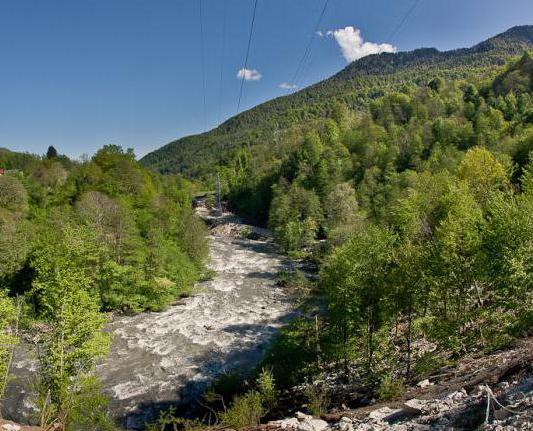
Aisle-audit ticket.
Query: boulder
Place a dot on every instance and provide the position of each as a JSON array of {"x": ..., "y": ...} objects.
[
  {"x": 312, "y": 425},
  {"x": 302, "y": 416},
  {"x": 383, "y": 413},
  {"x": 285, "y": 423},
  {"x": 424, "y": 384}
]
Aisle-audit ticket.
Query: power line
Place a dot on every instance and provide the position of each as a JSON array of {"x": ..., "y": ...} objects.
[
  {"x": 222, "y": 54},
  {"x": 308, "y": 47},
  {"x": 203, "y": 63},
  {"x": 247, "y": 55},
  {"x": 404, "y": 19}
]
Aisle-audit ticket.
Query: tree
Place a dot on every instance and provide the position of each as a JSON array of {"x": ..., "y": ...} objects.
[
  {"x": 13, "y": 195},
  {"x": 457, "y": 273},
  {"x": 483, "y": 173},
  {"x": 436, "y": 84},
  {"x": 341, "y": 213},
  {"x": 76, "y": 340},
  {"x": 9, "y": 321},
  {"x": 354, "y": 278},
  {"x": 15, "y": 243},
  {"x": 51, "y": 153},
  {"x": 295, "y": 216}
]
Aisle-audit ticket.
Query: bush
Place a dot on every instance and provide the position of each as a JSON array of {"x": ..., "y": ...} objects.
[
  {"x": 267, "y": 388},
  {"x": 246, "y": 410},
  {"x": 317, "y": 398},
  {"x": 390, "y": 388},
  {"x": 428, "y": 363}
]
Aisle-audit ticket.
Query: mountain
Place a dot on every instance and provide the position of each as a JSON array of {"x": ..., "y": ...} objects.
[{"x": 355, "y": 86}]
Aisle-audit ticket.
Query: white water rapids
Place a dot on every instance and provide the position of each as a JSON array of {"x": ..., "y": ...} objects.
[{"x": 160, "y": 359}]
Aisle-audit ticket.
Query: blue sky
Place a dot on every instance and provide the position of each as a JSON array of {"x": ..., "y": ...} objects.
[{"x": 78, "y": 74}]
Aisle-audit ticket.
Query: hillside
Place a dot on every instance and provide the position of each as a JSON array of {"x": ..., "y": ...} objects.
[{"x": 355, "y": 86}]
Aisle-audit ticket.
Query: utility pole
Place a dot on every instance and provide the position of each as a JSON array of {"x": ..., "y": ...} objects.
[{"x": 219, "y": 194}]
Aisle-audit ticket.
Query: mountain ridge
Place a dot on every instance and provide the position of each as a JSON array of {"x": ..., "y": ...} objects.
[{"x": 355, "y": 85}]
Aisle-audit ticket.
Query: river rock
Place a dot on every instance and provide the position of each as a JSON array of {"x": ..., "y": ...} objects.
[
  {"x": 383, "y": 413},
  {"x": 312, "y": 425},
  {"x": 413, "y": 407},
  {"x": 424, "y": 383},
  {"x": 288, "y": 423}
]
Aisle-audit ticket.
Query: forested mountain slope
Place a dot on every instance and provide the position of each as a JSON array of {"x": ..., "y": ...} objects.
[{"x": 362, "y": 81}]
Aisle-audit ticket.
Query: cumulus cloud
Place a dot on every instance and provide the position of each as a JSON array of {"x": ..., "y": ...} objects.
[
  {"x": 249, "y": 74},
  {"x": 354, "y": 47},
  {"x": 287, "y": 86}
]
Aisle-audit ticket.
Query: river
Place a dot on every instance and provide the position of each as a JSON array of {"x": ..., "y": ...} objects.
[{"x": 168, "y": 358}]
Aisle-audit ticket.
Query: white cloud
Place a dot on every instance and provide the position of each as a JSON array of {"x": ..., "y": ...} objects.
[
  {"x": 354, "y": 47},
  {"x": 287, "y": 86},
  {"x": 249, "y": 74},
  {"x": 319, "y": 33}
]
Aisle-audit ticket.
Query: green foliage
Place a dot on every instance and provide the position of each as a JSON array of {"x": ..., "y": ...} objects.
[
  {"x": 88, "y": 407},
  {"x": 295, "y": 216},
  {"x": 390, "y": 388},
  {"x": 13, "y": 196},
  {"x": 354, "y": 279},
  {"x": 9, "y": 316},
  {"x": 142, "y": 244},
  {"x": 75, "y": 340},
  {"x": 245, "y": 410},
  {"x": 317, "y": 399},
  {"x": 269, "y": 129},
  {"x": 81, "y": 238},
  {"x": 266, "y": 386},
  {"x": 168, "y": 418},
  {"x": 417, "y": 211}
]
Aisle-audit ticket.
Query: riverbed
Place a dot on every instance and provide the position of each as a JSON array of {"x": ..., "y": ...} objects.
[{"x": 168, "y": 358}]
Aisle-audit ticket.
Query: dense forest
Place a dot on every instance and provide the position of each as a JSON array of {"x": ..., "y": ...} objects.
[
  {"x": 270, "y": 129},
  {"x": 81, "y": 241},
  {"x": 419, "y": 215}
]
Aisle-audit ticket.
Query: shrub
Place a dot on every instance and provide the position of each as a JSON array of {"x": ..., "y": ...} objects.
[
  {"x": 267, "y": 388},
  {"x": 390, "y": 388},
  {"x": 428, "y": 363},
  {"x": 317, "y": 398},
  {"x": 246, "y": 410}
]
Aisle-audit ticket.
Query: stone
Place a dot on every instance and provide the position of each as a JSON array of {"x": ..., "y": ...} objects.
[
  {"x": 413, "y": 407},
  {"x": 457, "y": 395},
  {"x": 288, "y": 423},
  {"x": 10, "y": 427},
  {"x": 344, "y": 426},
  {"x": 312, "y": 425},
  {"x": 382, "y": 413},
  {"x": 302, "y": 416},
  {"x": 424, "y": 383},
  {"x": 500, "y": 414}
]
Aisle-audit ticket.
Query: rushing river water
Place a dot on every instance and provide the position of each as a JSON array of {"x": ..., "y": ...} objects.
[{"x": 169, "y": 357}]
